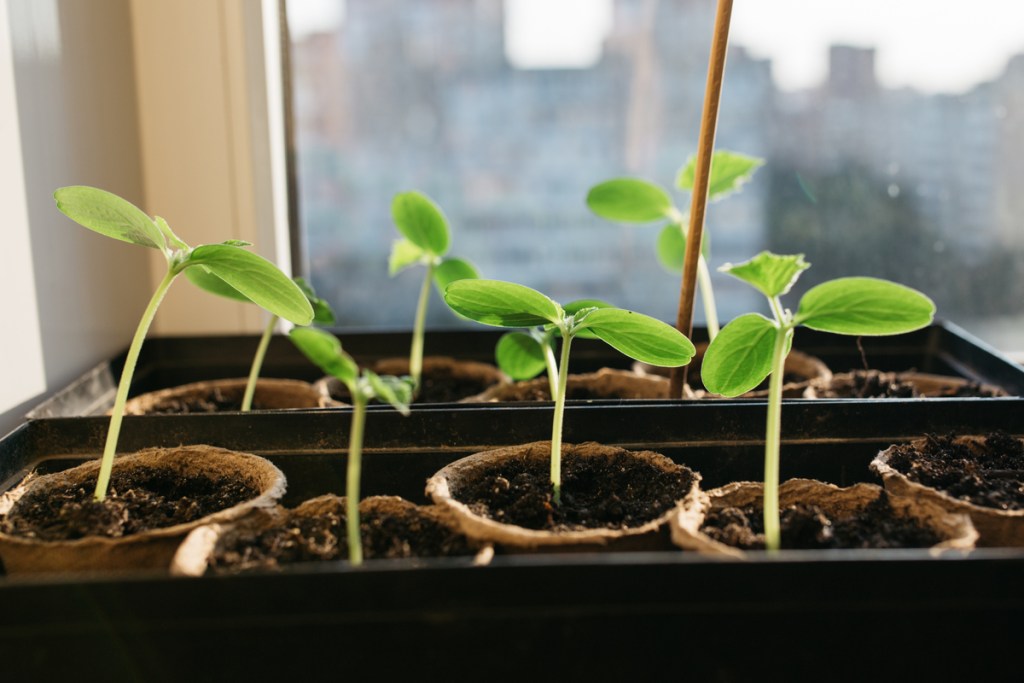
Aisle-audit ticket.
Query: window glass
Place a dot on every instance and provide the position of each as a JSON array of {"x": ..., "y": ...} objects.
[{"x": 887, "y": 152}]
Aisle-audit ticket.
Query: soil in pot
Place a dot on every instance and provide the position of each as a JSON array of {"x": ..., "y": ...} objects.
[
  {"x": 444, "y": 379},
  {"x": 615, "y": 492},
  {"x": 606, "y": 383},
  {"x": 878, "y": 384},
  {"x": 225, "y": 395},
  {"x": 392, "y": 528}
]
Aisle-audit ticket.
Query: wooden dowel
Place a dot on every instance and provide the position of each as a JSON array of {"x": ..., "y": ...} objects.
[{"x": 699, "y": 199}]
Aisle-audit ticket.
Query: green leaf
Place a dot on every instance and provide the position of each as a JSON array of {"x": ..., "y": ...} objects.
[
  {"x": 641, "y": 337},
  {"x": 169, "y": 235},
  {"x": 864, "y": 306},
  {"x": 502, "y": 304},
  {"x": 108, "y": 214},
  {"x": 323, "y": 314},
  {"x": 671, "y": 247},
  {"x": 740, "y": 356},
  {"x": 452, "y": 269},
  {"x": 237, "y": 243},
  {"x": 630, "y": 200},
  {"x": 403, "y": 254},
  {"x": 256, "y": 278},
  {"x": 395, "y": 391},
  {"x": 421, "y": 222},
  {"x": 574, "y": 307},
  {"x": 202, "y": 278},
  {"x": 324, "y": 350},
  {"x": 773, "y": 275},
  {"x": 729, "y": 171},
  {"x": 520, "y": 356}
]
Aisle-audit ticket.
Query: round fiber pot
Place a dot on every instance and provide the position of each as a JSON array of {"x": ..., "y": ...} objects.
[
  {"x": 606, "y": 383},
  {"x": 501, "y": 475},
  {"x": 393, "y": 528},
  {"x": 876, "y": 384},
  {"x": 444, "y": 379},
  {"x": 954, "y": 531},
  {"x": 904, "y": 469},
  {"x": 223, "y": 395},
  {"x": 253, "y": 480},
  {"x": 800, "y": 369}
]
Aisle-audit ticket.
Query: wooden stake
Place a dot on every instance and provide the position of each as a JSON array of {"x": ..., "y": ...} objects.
[{"x": 699, "y": 199}]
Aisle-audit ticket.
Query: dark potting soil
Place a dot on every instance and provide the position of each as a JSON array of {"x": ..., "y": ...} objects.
[
  {"x": 437, "y": 387},
  {"x": 138, "y": 500},
  {"x": 990, "y": 476},
  {"x": 310, "y": 538},
  {"x": 614, "y": 493},
  {"x": 877, "y": 384},
  {"x": 213, "y": 402},
  {"x": 808, "y": 527},
  {"x": 540, "y": 391}
]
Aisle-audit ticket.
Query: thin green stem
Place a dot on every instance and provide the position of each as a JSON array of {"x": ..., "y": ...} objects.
[
  {"x": 707, "y": 296},
  {"x": 772, "y": 440},
  {"x": 257, "y": 363},
  {"x": 416, "y": 353},
  {"x": 355, "y": 458},
  {"x": 552, "y": 365},
  {"x": 130, "y": 361},
  {"x": 556, "y": 425}
]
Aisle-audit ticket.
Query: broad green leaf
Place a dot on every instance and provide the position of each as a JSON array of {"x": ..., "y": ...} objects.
[
  {"x": 729, "y": 171},
  {"x": 403, "y": 254},
  {"x": 452, "y": 269},
  {"x": 108, "y": 214},
  {"x": 773, "y": 275},
  {"x": 520, "y": 356},
  {"x": 323, "y": 314},
  {"x": 574, "y": 307},
  {"x": 324, "y": 350},
  {"x": 740, "y": 356},
  {"x": 202, "y": 278},
  {"x": 641, "y": 337},
  {"x": 501, "y": 304},
  {"x": 392, "y": 390},
  {"x": 256, "y": 278},
  {"x": 864, "y": 306},
  {"x": 421, "y": 222},
  {"x": 671, "y": 248},
  {"x": 630, "y": 200},
  {"x": 169, "y": 235}
]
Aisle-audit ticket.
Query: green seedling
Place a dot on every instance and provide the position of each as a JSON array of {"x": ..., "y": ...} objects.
[
  {"x": 256, "y": 278},
  {"x": 322, "y": 315},
  {"x": 635, "y": 201},
  {"x": 524, "y": 355},
  {"x": 425, "y": 241},
  {"x": 752, "y": 347},
  {"x": 505, "y": 304},
  {"x": 324, "y": 350}
]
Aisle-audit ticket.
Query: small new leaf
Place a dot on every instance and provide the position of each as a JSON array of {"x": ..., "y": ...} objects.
[
  {"x": 237, "y": 243},
  {"x": 169, "y": 235},
  {"x": 403, "y": 254},
  {"x": 108, "y": 214},
  {"x": 740, "y": 357},
  {"x": 395, "y": 391},
  {"x": 324, "y": 350},
  {"x": 323, "y": 314},
  {"x": 574, "y": 307},
  {"x": 452, "y": 269},
  {"x": 421, "y": 222},
  {"x": 629, "y": 200},
  {"x": 520, "y": 356},
  {"x": 640, "y": 337},
  {"x": 671, "y": 247},
  {"x": 771, "y": 274},
  {"x": 502, "y": 304},
  {"x": 864, "y": 306},
  {"x": 729, "y": 171},
  {"x": 256, "y": 278}
]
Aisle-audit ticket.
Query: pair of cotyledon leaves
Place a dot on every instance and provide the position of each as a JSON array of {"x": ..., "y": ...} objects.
[
  {"x": 740, "y": 357},
  {"x": 226, "y": 269},
  {"x": 507, "y": 304},
  {"x": 632, "y": 200},
  {"x": 425, "y": 240}
]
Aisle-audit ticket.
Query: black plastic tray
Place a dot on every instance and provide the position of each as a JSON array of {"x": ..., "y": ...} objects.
[
  {"x": 942, "y": 348},
  {"x": 652, "y": 616}
]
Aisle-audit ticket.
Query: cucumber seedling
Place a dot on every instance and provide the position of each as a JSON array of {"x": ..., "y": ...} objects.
[
  {"x": 322, "y": 315},
  {"x": 253, "y": 276},
  {"x": 324, "y": 350},
  {"x": 425, "y": 241},
  {"x": 636, "y": 201},
  {"x": 506, "y": 304},
  {"x": 752, "y": 347}
]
